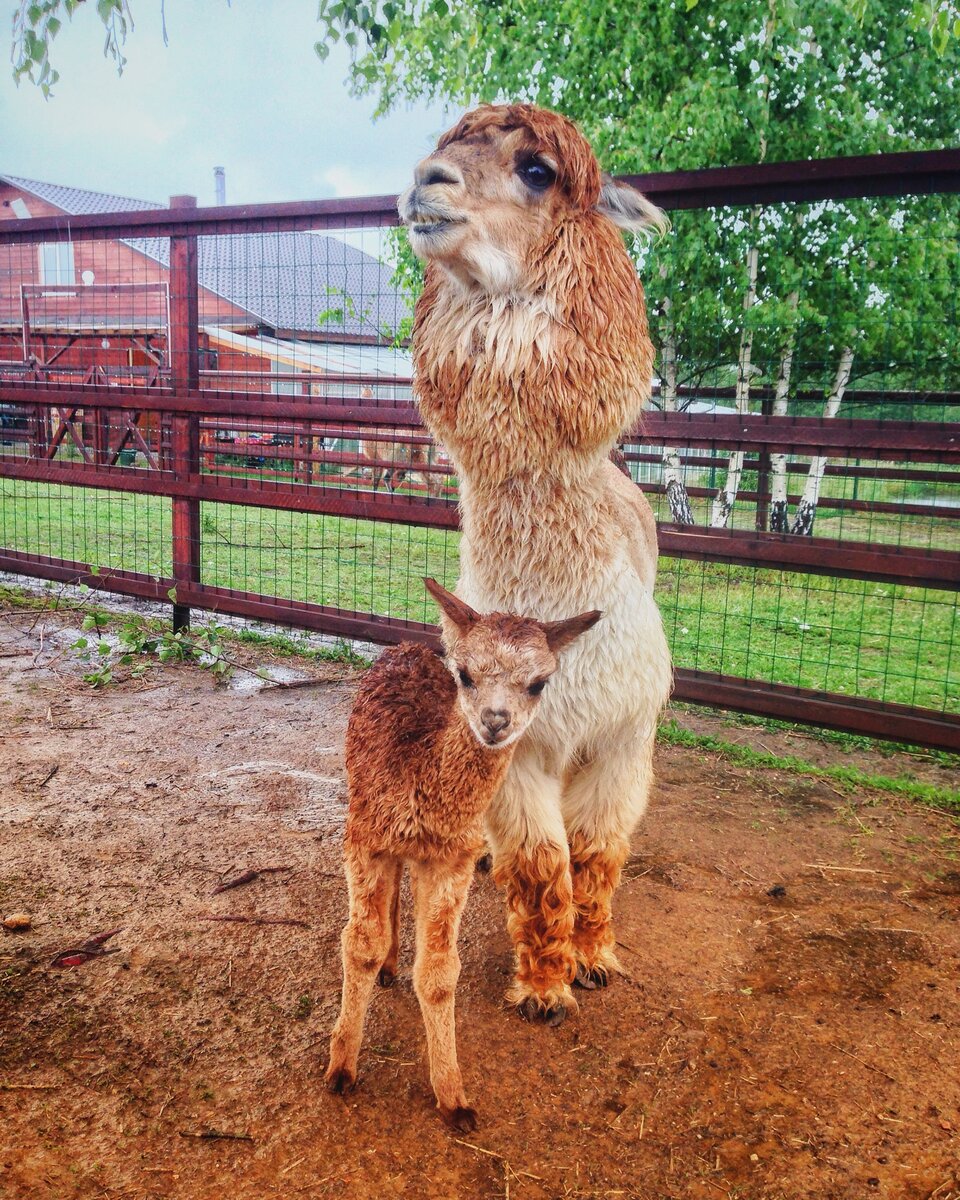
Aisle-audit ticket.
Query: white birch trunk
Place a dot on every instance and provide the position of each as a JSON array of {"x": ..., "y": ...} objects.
[
  {"x": 676, "y": 489},
  {"x": 778, "y": 461},
  {"x": 727, "y": 495},
  {"x": 807, "y": 508}
]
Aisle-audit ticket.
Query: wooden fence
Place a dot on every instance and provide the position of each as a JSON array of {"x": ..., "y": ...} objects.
[{"x": 198, "y": 436}]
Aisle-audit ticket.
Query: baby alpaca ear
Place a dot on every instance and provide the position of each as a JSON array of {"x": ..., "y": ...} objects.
[
  {"x": 562, "y": 633},
  {"x": 629, "y": 209},
  {"x": 461, "y": 614}
]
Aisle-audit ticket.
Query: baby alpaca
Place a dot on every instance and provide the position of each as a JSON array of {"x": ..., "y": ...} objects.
[{"x": 427, "y": 748}]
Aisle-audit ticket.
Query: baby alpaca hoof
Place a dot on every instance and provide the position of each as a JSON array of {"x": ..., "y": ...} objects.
[
  {"x": 533, "y": 1010},
  {"x": 340, "y": 1080},
  {"x": 386, "y": 978},
  {"x": 461, "y": 1118},
  {"x": 591, "y": 978}
]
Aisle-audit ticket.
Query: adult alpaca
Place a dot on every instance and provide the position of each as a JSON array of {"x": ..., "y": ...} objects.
[{"x": 531, "y": 356}]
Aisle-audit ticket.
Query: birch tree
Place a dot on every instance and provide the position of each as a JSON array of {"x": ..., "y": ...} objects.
[
  {"x": 803, "y": 521},
  {"x": 778, "y": 460},
  {"x": 667, "y": 86}
]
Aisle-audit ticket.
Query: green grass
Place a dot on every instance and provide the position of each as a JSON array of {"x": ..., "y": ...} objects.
[
  {"x": 852, "y": 779},
  {"x": 831, "y": 737},
  {"x": 853, "y": 637}
]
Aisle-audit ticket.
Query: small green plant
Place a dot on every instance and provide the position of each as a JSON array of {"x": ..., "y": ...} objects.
[
  {"x": 136, "y": 645},
  {"x": 304, "y": 1008}
]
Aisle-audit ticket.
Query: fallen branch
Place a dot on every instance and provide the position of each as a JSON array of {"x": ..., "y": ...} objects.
[
  {"x": 246, "y": 877},
  {"x": 281, "y": 685},
  {"x": 28, "y": 1087},
  {"x": 869, "y": 1066},
  {"x": 215, "y": 1135},
  {"x": 92, "y": 948},
  {"x": 255, "y": 920},
  {"x": 828, "y": 867}
]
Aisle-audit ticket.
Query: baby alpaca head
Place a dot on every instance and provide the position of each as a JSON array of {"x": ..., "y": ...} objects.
[{"x": 501, "y": 663}]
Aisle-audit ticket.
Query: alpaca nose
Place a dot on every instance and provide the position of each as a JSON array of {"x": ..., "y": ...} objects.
[
  {"x": 495, "y": 719},
  {"x": 433, "y": 171}
]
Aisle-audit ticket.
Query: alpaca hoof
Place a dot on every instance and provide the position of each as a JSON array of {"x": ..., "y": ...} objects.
[
  {"x": 339, "y": 1080},
  {"x": 532, "y": 1009},
  {"x": 591, "y": 978},
  {"x": 461, "y": 1118},
  {"x": 485, "y": 863},
  {"x": 386, "y": 978}
]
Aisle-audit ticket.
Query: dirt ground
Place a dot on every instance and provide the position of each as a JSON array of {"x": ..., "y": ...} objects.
[{"x": 789, "y": 1025}]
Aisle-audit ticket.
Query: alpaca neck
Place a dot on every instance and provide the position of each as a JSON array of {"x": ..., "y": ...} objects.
[
  {"x": 539, "y": 384},
  {"x": 469, "y": 771}
]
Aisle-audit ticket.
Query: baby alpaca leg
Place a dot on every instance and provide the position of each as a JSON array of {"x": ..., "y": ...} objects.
[
  {"x": 388, "y": 972},
  {"x": 602, "y": 804},
  {"x": 365, "y": 943},
  {"x": 439, "y": 897},
  {"x": 532, "y": 864}
]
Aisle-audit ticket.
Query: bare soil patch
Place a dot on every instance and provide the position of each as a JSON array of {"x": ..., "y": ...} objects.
[{"x": 788, "y": 1025}]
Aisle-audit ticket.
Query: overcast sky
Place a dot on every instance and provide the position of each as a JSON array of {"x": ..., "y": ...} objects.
[{"x": 239, "y": 87}]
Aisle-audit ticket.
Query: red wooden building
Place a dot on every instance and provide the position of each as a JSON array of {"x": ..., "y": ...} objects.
[{"x": 70, "y": 311}]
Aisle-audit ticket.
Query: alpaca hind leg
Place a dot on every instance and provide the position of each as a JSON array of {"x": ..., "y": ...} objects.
[
  {"x": 531, "y": 863},
  {"x": 439, "y": 897},
  {"x": 365, "y": 943},
  {"x": 602, "y": 804},
  {"x": 388, "y": 971}
]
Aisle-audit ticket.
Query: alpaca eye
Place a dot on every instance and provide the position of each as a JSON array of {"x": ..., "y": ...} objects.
[
  {"x": 536, "y": 688},
  {"x": 537, "y": 174},
  {"x": 465, "y": 679}
]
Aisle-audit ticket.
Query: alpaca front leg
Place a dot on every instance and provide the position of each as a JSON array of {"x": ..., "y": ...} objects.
[
  {"x": 532, "y": 864},
  {"x": 602, "y": 804},
  {"x": 440, "y": 893},
  {"x": 596, "y": 876},
  {"x": 365, "y": 944}
]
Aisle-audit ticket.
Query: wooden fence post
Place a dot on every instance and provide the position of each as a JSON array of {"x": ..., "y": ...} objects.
[{"x": 185, "y": 428}]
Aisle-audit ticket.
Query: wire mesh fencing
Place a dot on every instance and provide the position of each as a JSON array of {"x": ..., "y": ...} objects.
[{"x": 216, "y": 411}]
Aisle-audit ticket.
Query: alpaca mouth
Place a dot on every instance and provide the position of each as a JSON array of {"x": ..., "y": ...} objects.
[
  {"x": 430, "y": 224},
  {"x": 498, "y": 740}
]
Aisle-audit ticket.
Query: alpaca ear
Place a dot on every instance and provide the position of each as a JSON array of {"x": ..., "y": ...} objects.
[
  {"x": 461, "y": 614},
  {"x": 562, "y": 633},
  {"x": 629, "y": 209}
]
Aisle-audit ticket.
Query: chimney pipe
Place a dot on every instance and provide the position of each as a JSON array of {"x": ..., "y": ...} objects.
[{"x": 220, "y": 184}]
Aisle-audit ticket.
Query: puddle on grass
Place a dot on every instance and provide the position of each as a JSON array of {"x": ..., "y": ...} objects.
[{"x": 245, "y": 683}]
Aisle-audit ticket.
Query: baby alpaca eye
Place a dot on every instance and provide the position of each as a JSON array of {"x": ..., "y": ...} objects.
[
  {"x": 536, "y": 688},
  {"x": 465, "y": 679}
]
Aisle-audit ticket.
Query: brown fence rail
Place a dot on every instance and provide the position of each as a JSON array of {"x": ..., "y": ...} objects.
[{"x": 155, "y": 415}]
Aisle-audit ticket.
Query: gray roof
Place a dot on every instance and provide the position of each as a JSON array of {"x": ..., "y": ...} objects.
[{"x": 284, "y": 280}]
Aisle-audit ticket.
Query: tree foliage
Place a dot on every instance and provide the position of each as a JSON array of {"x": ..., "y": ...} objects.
[
  {"x": 682, "y": 84},
  {"x": 36, "y": 24},
  {"x": 448, "y": 38}
]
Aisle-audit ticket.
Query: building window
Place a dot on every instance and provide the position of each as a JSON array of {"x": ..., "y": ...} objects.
[{"x": 56, "y": 263}]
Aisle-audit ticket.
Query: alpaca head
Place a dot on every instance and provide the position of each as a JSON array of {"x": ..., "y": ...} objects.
[
  {"x": 501, "y": 663},
  {"x": 493, "y": 195}
]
